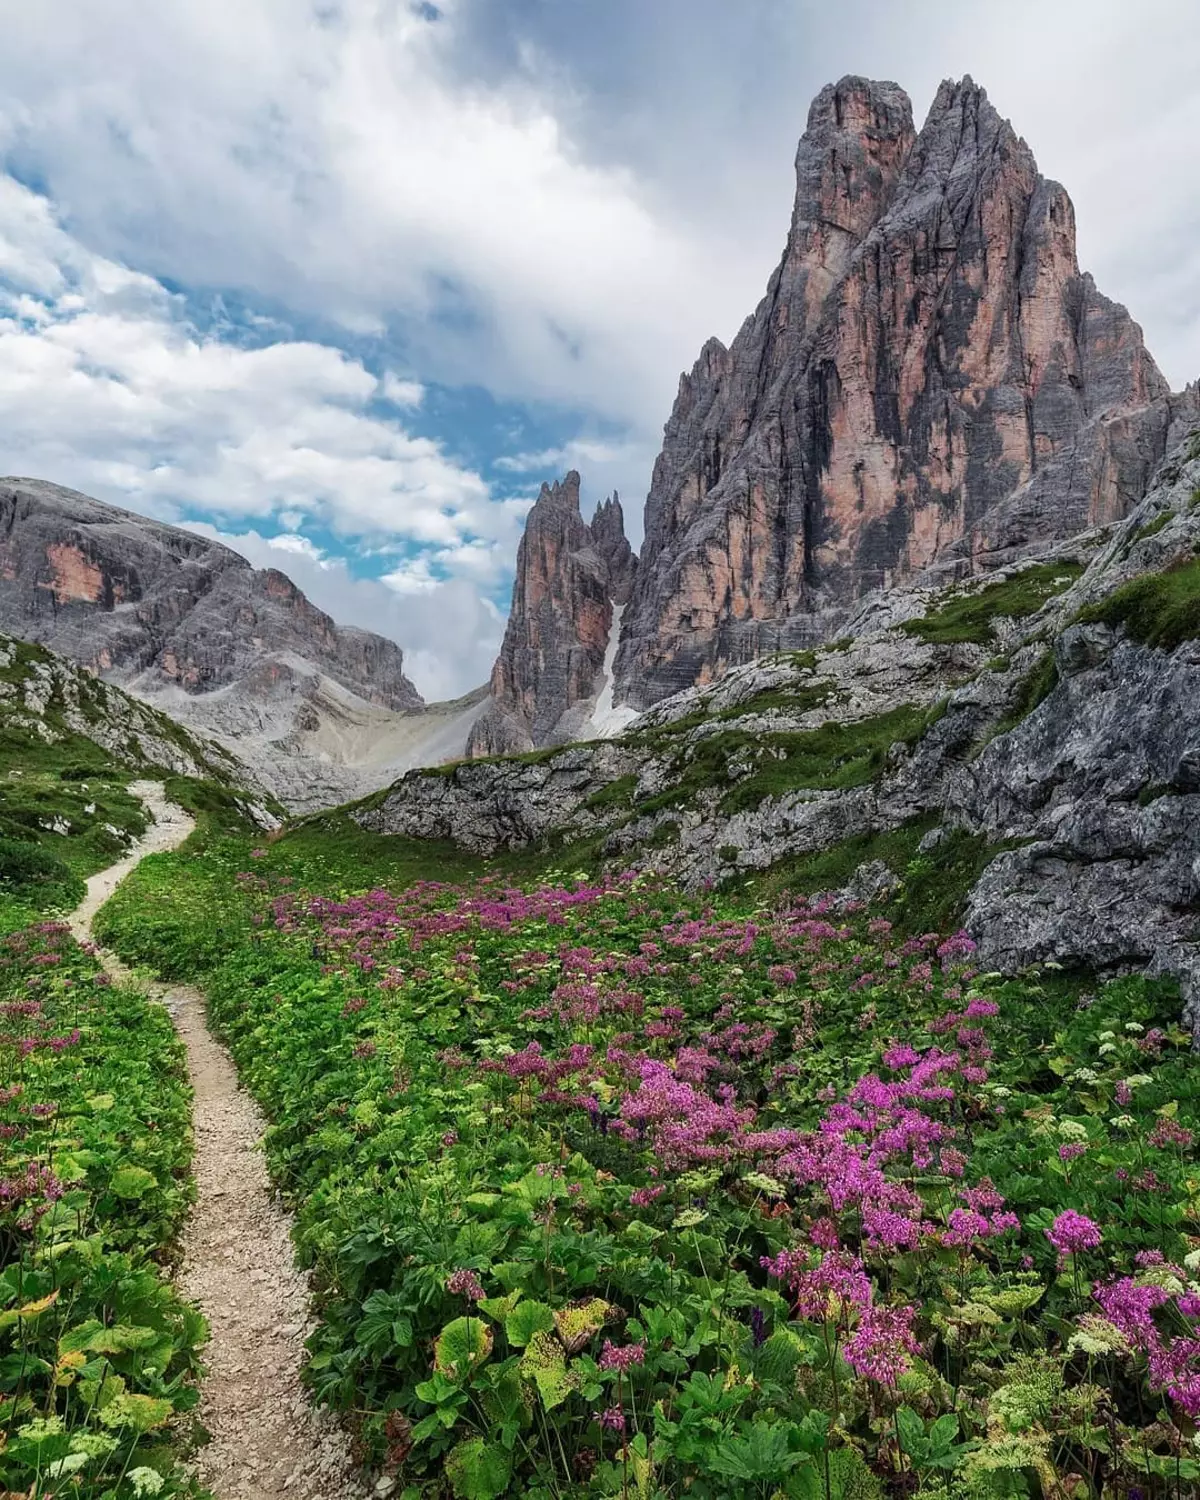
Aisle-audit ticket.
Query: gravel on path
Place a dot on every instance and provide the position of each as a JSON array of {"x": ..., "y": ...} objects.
[{"x": 267, "y": 1440}]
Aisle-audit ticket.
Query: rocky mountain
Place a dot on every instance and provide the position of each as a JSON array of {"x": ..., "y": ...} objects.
[
  {"x": 129, "y": 596},
  {"x": 321, "y": 712},
  {"x": 929, "y": 381},
  {"x": 573, "y": 580},
  {"x": 1036, "y": 731},
  {"x": 929, "y": 388}
]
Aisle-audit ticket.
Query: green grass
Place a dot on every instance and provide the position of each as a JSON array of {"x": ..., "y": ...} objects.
[
  {"x": 616, "y": 794},
  {"x": 969, "y": 618},
  {"x": 65, "y": 806},
  {"x": 789, "y": 700},
  {"x": 1152, "y": 528},
  {"x": 1158, "y": 609},
  {"x": 934, "y": 886},
  {"x": 1039, "y": 682},
  {"x": 833, "y": 757},
  {"x": 382, "y": 1039}
]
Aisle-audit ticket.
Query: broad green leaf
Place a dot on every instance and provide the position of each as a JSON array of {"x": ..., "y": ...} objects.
[
  {"x": 132, "y": 1182},
  {"x": 912, "y": 1432},
  {"x": 498, "y": 1307},
  {"x": 780, "y": 1357},
  {"x": 120, "y": 1338},
  {"x": 580, "y": 1322},
  {"x": 526, "y": 1319},
  {"x": 763, "y": 1453},
  {"x": 943, "y": 1432},
  {"x": 478, "y": 1470},
  {"x": 142, "y": 1413},
  {"x": 30, "y": 1310},
  {"x": 546, "y": 1365},
  {"x": 462, "y": 1346}
]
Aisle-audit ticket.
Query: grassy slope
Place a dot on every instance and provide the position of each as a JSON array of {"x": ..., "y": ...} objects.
[
  {"x": 65, "y": 807},
  {"x": 98, "y": 1371}
]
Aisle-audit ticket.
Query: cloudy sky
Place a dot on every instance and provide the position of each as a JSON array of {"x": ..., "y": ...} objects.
[{"x": 343, "y": 281}]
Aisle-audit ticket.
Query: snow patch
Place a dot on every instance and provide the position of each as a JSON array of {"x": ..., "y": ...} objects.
[{"x": 607, "y": 719}]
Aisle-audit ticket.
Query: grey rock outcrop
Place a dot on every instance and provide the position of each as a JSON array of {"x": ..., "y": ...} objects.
[
  {"x": 322, "y": 713},
  {"x": 135, "y": 599},
  {"x": 570, "y": 578},
  {"x": 44, "y": 697}
]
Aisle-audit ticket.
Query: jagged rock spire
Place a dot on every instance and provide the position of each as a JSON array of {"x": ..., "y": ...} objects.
[
  {"x": 928, "y": 381},
  {"x": 569, "y": 577}
]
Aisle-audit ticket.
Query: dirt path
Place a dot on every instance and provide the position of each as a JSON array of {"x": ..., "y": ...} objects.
[{"x": 268, "y": 1442}]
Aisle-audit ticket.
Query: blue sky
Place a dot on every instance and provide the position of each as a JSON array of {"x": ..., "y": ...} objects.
[{"x": 343, "y": 281}]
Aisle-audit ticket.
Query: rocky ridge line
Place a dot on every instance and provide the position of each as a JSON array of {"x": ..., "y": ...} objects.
[
  {"x": 930, "y": 389},
  {"x": 929, "y": 381}
]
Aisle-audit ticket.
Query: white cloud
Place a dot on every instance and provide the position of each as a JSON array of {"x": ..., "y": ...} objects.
[
  {"x": 333, "y": 158},
  {"x": 105, "y": 386},
  {"x": 401, "y": 392},
  {"x": 557, "y": 204},
  {"x": 579, "y": 452},
  {"x": 298, "y": 546}
]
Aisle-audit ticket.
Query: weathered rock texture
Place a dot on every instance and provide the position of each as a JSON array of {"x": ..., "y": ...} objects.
[
  {"x": 322, "y": 713},
  {"x": 929, "y": 382},
  {"x": 133, "y": 598},
  {"x": 570, "y": 575}
]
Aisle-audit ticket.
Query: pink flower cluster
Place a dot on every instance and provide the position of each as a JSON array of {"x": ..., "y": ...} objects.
[
  {"x": 1173, "y": 1363},
  {"x": 1073, "y": 1232}
]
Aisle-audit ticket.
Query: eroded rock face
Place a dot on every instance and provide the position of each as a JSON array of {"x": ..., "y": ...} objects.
[
  {"x": 569, "y": 577},
  {"x": 139, "y": 601},
  {"x": 928, "y": 385}
]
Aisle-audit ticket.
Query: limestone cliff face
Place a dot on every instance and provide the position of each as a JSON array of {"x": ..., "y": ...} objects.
[
  {"x": 929, "y": 383},
  {"x": 137, "y": 601},
  {"x": 569, "y": 577}
]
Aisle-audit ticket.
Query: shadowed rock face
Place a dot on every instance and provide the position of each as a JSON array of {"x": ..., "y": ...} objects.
[
  {"x": 139, "y": 601},
  {"x": 929, "y": 384},
  {"x": 569, "y": 576}
]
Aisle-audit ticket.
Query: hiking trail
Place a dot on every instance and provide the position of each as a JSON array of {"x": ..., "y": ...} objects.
[{"x": 268, "y": 1441}]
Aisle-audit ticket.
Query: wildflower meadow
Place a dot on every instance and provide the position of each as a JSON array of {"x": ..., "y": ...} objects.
[
  {"x": 606, "y": 1189},
  {"x": 98, "y": 1354}
]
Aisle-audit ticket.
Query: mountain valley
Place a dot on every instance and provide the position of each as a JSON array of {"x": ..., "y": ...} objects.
[{"x": 746, "y": 1050}]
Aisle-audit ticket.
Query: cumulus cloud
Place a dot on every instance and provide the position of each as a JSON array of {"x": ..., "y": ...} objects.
[
  {"x": 560, "y": 202},
  {"x": 332, "y": 157},
  {"x": 107, "y": 387},
  {"x": 104, "y": 383}
]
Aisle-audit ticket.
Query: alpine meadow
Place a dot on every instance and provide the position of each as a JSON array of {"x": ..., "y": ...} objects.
[{"x": 746, "y": 1048}]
